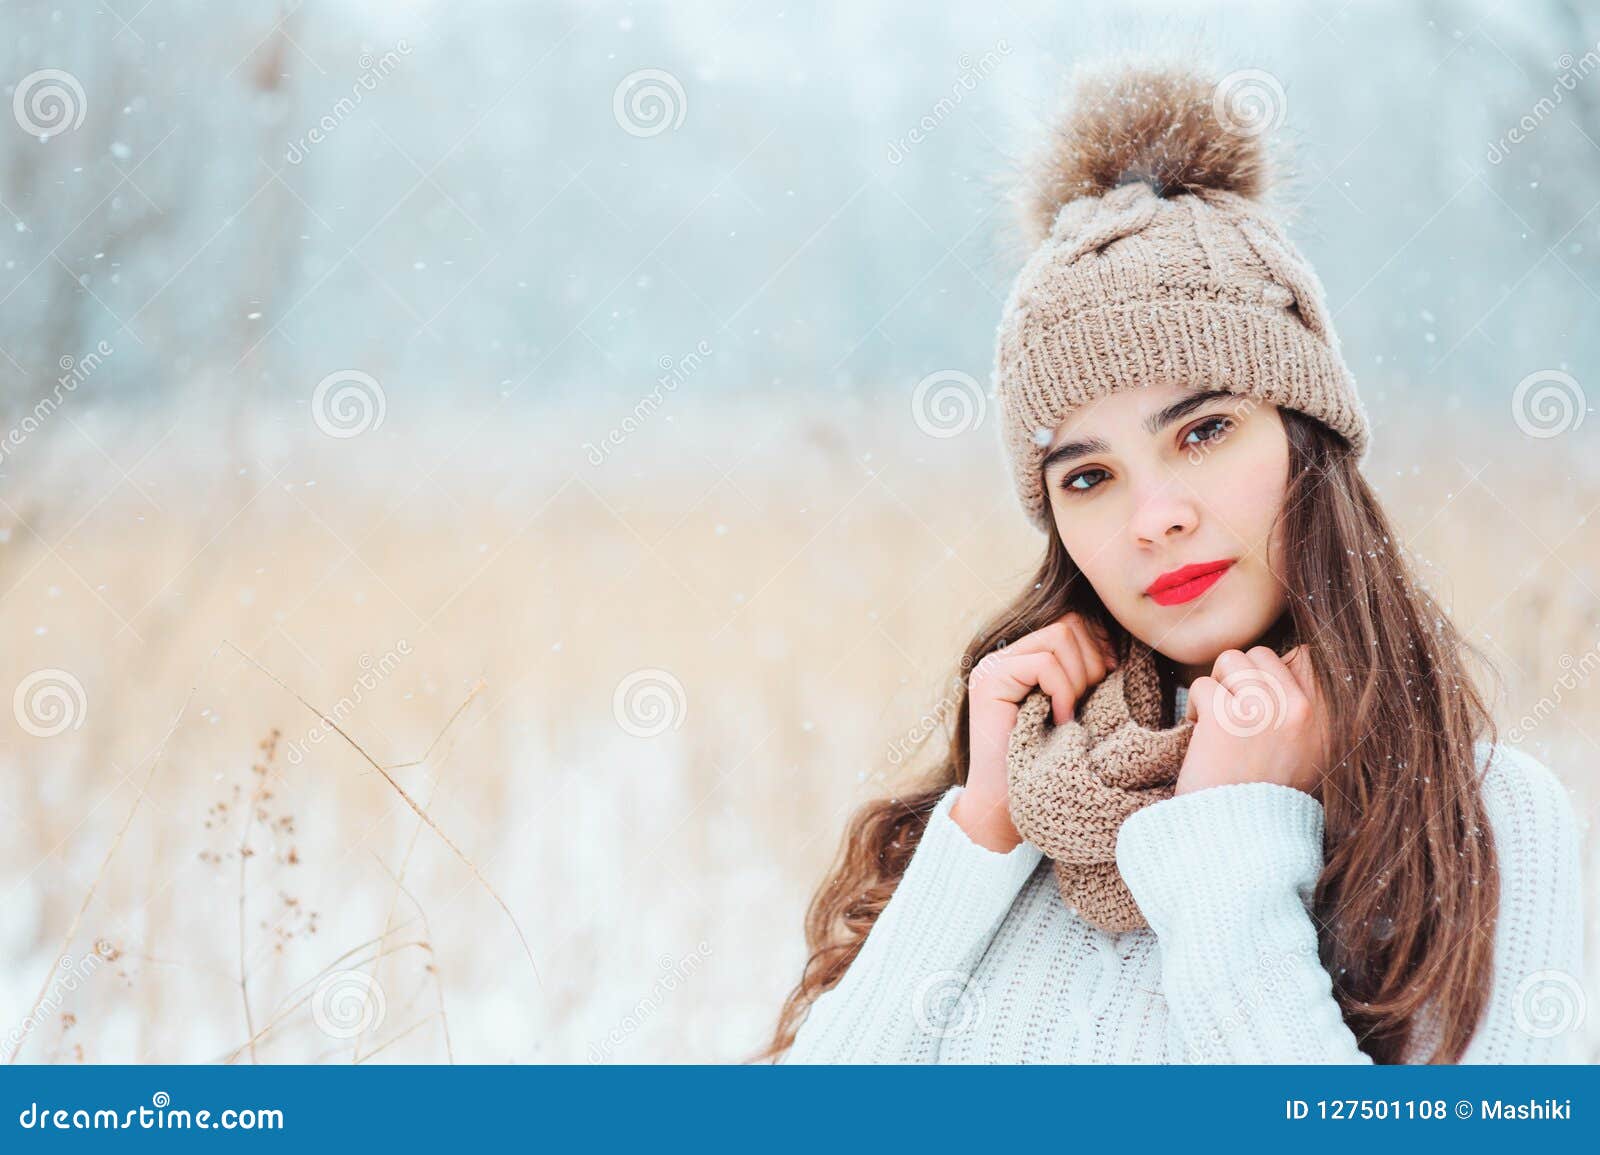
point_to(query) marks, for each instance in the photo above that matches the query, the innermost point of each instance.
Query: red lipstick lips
(1187, 583)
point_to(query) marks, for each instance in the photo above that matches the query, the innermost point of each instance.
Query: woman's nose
(1165, 513)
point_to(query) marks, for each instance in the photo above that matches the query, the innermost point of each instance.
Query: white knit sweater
(976, 958)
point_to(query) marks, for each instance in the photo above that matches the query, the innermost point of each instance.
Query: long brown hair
(1405, 906)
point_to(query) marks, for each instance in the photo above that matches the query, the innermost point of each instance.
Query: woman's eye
(1072, 482)
(1209, 430)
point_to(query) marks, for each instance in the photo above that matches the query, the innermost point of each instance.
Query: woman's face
(1149, 485)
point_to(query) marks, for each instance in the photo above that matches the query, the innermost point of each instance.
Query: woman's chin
(1200, 643)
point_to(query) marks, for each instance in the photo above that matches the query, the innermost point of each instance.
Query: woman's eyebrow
(1068, 450)
(1156, 422)
(1178, 410)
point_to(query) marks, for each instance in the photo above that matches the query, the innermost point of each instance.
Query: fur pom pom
(1158, 124)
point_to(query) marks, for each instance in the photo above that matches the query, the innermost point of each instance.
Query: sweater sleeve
(908, 985)
(1226, 876)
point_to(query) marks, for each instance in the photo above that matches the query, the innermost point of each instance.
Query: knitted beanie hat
(1155, 261)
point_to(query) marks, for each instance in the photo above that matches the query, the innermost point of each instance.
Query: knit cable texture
(977, 959)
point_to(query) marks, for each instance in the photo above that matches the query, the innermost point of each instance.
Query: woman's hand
(1258, 718)
(1064, 659)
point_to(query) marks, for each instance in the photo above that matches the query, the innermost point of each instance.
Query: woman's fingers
(1056, 634)
(1267, 659)
(1082, 652)
(1271, 692)
(1010, 678)
(1231, 664)
(1061, 654)
(1071, 659)
(1060, 684)
(1297, 664)
(1096, 661)
(1097, 634)
(1257, 723)
(1261, 665)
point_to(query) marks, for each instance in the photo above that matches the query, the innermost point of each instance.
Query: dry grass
(806, 574)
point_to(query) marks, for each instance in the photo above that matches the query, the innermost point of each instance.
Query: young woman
(1221, 788)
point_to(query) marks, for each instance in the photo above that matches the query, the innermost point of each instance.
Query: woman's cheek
(1091, 551)
(1244, 505)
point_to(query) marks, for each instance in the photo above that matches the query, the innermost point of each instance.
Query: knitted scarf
(1071, 786)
